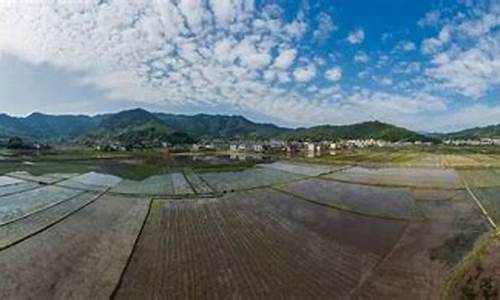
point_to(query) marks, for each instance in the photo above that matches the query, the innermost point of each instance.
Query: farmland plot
(371, 200)
(455, 160)
(91, 182)
(259, 244)
(490, 199)
(81, 257)
(247, 179)
(420, 178)
(301, 169)
(200, 186)
(5, 180)
(16, 231)
(485, 184)
(368, 234)
(430, 250)
(17, 206)
(44, 179)
(435, 195)
(17, 188)
(481, 178)
(180, 184)
(154, 185)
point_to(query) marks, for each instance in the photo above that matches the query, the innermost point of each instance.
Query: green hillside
(366, 130)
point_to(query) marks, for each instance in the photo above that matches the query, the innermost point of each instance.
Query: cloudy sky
(427, 65)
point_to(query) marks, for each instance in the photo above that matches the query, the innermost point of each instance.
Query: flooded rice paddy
(275, 230)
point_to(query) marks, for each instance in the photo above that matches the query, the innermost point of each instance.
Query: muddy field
(249, 247)
(428, 252)
(275, 231)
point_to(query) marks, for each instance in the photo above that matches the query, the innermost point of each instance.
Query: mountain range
(138, 125)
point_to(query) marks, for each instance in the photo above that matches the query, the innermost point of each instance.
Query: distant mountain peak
(137, 122)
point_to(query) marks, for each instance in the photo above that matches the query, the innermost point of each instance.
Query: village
(473, 142)
(294, 147)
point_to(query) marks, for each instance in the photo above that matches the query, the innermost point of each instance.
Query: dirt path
(483, 211)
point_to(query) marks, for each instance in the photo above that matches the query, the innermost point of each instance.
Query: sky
(425, 65)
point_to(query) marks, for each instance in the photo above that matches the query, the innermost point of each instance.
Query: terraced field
(281, 230)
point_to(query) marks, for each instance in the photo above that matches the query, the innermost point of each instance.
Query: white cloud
(386, 81)
(407, 68)
(471, 72)
(213, 53)
(433, 45)
(224, 11)
(361, 57)
(193, 11)
(305, 73)
(333, 74)
(295, 29)
(467, 117)
(430, 19)
(356, 37)
(285, 59)
(465, 56)
(250, 56)
(406, 46)
(325, 27)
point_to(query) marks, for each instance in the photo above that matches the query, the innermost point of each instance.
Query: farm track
(79, 257)
(485, 213)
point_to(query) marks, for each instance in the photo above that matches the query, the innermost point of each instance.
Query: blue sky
(426, 65)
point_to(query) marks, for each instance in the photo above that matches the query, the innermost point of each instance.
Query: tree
(15, 143)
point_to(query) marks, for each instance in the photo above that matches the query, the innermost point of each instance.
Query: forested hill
(492, 131)
(140, 124)
(372, 129)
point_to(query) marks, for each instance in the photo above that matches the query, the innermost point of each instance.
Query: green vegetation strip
(339, 207)
(465, 265)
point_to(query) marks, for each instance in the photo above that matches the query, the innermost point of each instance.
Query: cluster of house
(471, 142)
(310, 147)
(270, 146)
